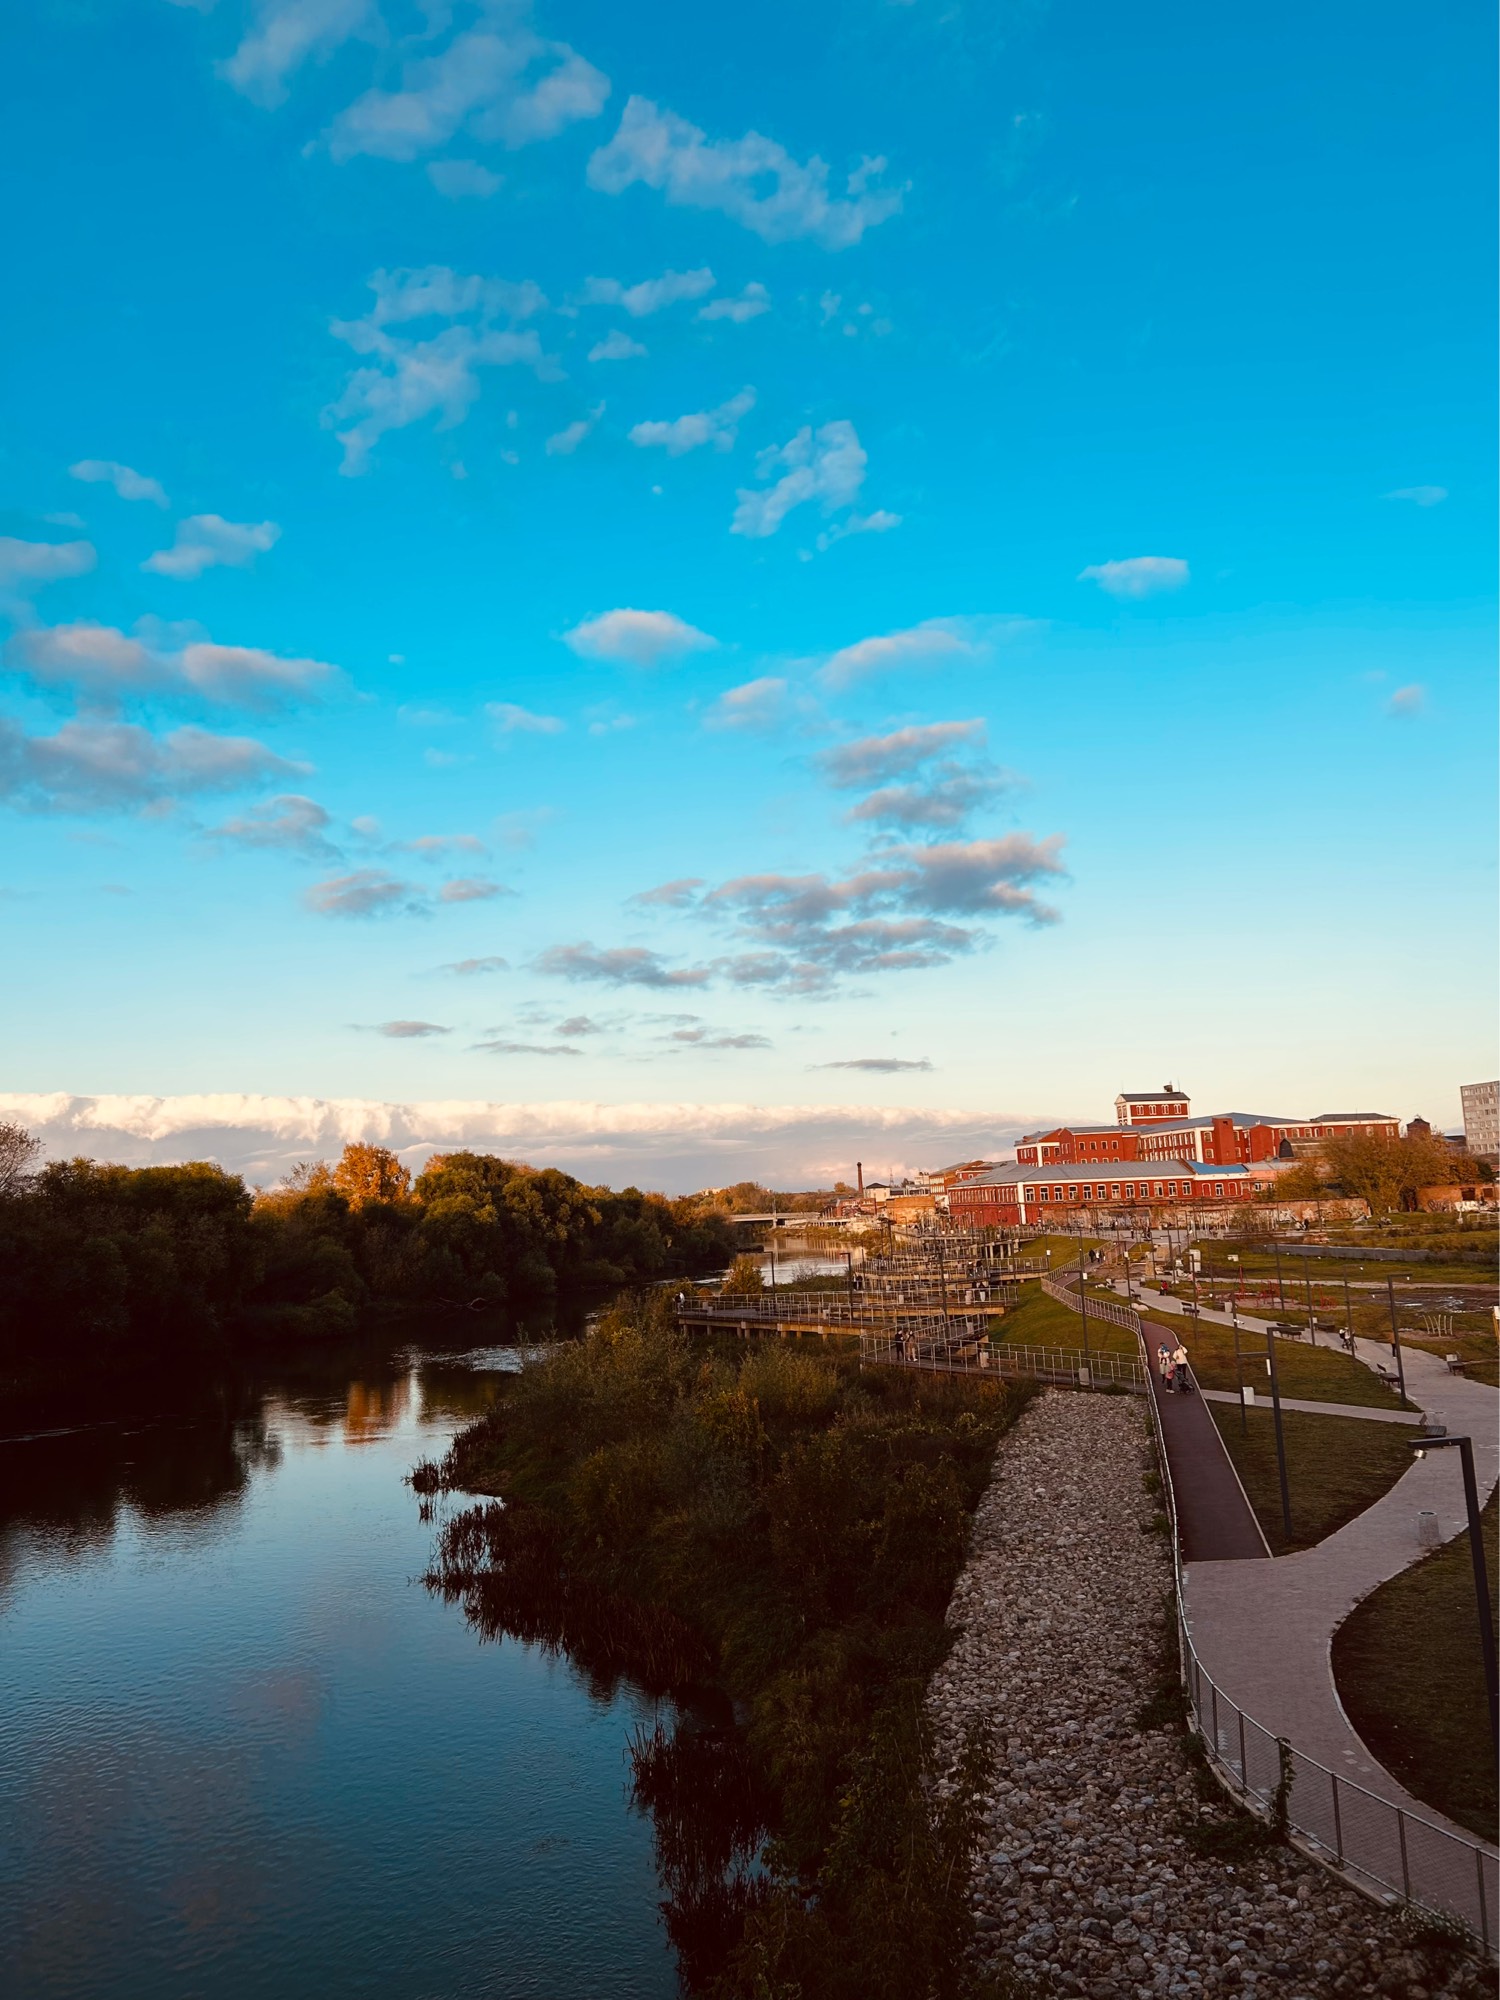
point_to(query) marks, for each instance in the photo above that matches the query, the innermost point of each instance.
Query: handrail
(1107, 1310)
(1382, 1848)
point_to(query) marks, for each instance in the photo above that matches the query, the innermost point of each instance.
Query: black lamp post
(1083, 1307)
(1239, 1377)
(1280, 1287)
(1390, 1290)
(1286, 1498)
(1421, 1446)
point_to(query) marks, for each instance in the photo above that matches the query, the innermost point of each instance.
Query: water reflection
(239, 1753)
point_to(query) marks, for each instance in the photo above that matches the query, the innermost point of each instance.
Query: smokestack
(859, 1172)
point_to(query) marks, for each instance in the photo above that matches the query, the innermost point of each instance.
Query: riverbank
(1111, 1864)
(782, 1531)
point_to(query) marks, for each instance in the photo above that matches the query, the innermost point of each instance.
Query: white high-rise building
(1482, 1119)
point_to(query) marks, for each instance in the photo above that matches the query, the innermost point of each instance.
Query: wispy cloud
(460, 180)
(873, 760)
(651, 295)
(640, 638)
(563, 443)
(438, 846)
(409, 379)
(106, 664)
(1409, 700)
(473, 968)
(1137, 576)
(678, 895)
(826, 466)
(364, 892)
(286, 34)
(205, 540)
(410, 1031)
(878, 1065)
(1420, 496)
(935, 640)
(290, 821)
(753, 179)
(27, 566)
(503, 85)
(706, 1038)
(616, 345)
(126, 481)
(472, 889)
(750, 304)
(624, 965)
(759, 706)
(506, 1048)
(718, 427)
(94, 767)
(511, 719)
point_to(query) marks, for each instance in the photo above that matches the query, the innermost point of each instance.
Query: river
(244, 1752)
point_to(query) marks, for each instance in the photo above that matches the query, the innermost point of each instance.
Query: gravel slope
(1086, 1885)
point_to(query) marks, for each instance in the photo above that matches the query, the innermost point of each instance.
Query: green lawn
(1307, 1374)
(1037, 1321)
(1476, 1347)
(1411, 1676)
(1336, 1467)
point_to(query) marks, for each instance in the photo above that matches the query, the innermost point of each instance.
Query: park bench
(1455, 1363)
(1387, 1375)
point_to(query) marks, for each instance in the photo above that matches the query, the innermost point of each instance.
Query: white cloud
(875, 760)
(286, 34)
(643, 638)
(1137, 576)
(92, 767)
(651, 294)
(625, 965)
(509, 719)
(407, 1031)
(128, 484)
(363, 892)
(106, 664)
(751, 303)
(1408, 700)
(718, 427)
(616, 345)
(760, 705)
(880, 522)
(753, 179)
(26, 566)
(678, 1146)
(563, 443)
(472, 889)
(456, 179)
(503, 88)
(892, 652)
(206, 540)
(291, 821)
(410, 379)
(1420, 496)
(826, 465)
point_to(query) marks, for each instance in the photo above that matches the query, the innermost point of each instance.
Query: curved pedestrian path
(1263, 1631)
(1215, 1522)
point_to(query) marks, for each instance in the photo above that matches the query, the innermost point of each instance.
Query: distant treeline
(107, 1265)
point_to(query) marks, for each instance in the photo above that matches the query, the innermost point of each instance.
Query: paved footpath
(1320, 1409)
(1215, 1522)
(1264, 1630)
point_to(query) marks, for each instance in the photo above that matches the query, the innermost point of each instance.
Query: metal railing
(1382, 1848)
(1101, 1309)
(974, 1355)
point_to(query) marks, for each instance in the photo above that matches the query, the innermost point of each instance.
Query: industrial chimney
(859, 1174)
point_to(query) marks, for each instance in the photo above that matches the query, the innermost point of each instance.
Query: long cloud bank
(676, 1147)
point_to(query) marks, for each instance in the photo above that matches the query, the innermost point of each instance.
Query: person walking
(1164, 1361)
(1180, 1369)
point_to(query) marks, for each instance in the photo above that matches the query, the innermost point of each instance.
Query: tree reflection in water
(690, 1772)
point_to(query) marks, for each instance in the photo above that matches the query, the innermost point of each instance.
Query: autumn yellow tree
(1388, 1172)
(370, 1173)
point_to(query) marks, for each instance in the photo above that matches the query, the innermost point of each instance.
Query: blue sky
(903, 566)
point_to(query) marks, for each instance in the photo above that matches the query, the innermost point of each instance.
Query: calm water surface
(244, 1752)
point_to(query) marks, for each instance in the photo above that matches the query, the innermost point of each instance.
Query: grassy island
(770, 1537)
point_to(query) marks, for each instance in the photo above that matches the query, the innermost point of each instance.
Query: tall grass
(779, 1532)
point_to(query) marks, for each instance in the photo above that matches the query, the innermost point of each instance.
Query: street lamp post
(1421, 1446)
(1286, 1498)
(1083, 1307)
(1280, 1287)
(1312, 1324)
(1390, 1290)
(1239, 1377)
(1348, 1312)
